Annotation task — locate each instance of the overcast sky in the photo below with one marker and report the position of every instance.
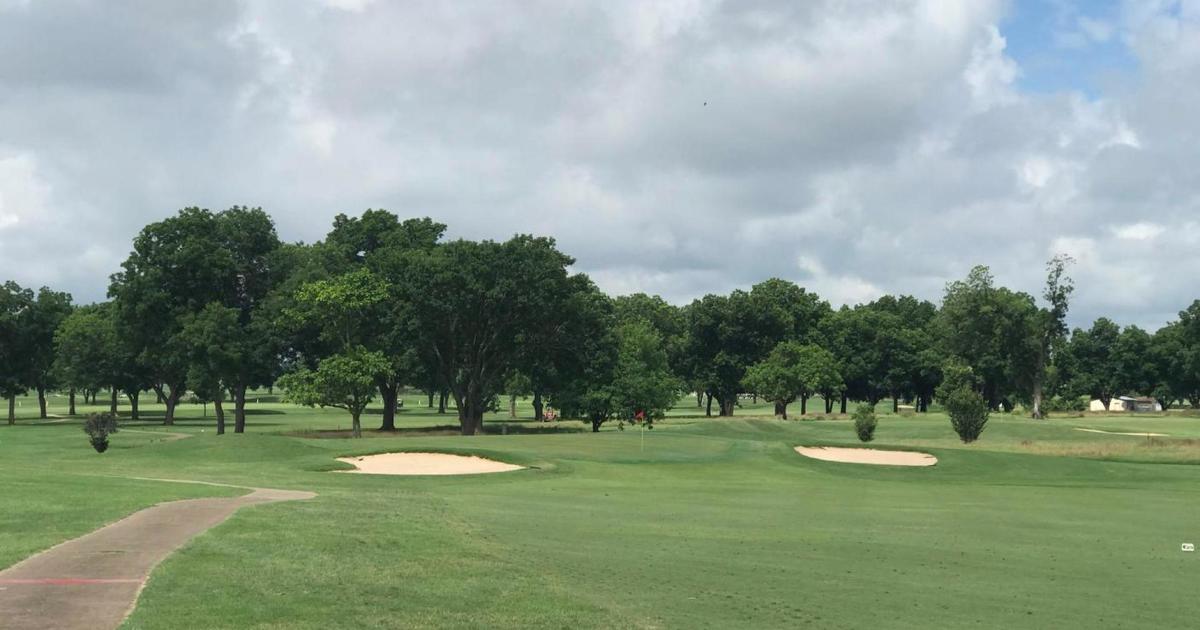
(856, 147)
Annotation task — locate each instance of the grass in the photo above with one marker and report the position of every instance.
(716, 523)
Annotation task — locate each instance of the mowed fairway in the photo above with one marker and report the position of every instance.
(716, 523)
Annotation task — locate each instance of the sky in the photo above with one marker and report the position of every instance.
(681, 147)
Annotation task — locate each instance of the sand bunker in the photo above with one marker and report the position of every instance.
(867, 456)
(424, 464)
(1120, 433)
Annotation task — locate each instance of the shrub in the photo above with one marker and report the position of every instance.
(968, 413)
(98, 426)
(864, 422)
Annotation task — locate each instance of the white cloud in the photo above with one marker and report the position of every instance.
(678, 148)
(1141, 231)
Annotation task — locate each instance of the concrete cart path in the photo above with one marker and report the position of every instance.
(93, 581)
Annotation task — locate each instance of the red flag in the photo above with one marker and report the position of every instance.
(640, 415)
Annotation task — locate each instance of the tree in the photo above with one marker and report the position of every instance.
(793, 371)
(473, 303)
(345, 381)
(177, 266)
(15, 353)
(642, 381)
(1175, 376)
(215, 343)
(1051, 324)
(1093, 363)
(629, 373)
(379, 241)
(1134, 362)
(46, 312)
(989, 329)
(86, 354)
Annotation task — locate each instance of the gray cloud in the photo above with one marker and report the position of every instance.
(678, 148)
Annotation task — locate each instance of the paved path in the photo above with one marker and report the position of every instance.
(93, 581)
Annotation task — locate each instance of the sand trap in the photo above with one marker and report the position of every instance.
(424, 464)
(1119, 433)
(867, 456)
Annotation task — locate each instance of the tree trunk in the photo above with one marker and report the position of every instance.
(512, 406)
(782, 407)
(429, 403)
(699, 398)
(133, 404)
(442, 395)
(895, 404)
(41, 392)
(219, 410)
(754, 397)
(828, 404)
(71, 402)
(803, 405)
(355, 425)
(171, 400)
(708, 409)
(727, 405)
(239, 408)
(389, 392)
(158, 393)
(538, 408)
(596, 425)
(843, 403)
(12, 409)
(112, 407)
(1037, 400)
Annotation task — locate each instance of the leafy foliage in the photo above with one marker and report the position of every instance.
(98, 427)
(864, 422)
(345, 381)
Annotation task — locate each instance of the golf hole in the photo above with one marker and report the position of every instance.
(424, 464)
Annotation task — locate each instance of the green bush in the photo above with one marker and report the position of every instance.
(864, 422)
(98, 426)
(968, 412)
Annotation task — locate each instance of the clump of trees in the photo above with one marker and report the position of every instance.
(215, 303)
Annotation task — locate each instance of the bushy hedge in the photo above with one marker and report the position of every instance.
(98, 426)
(864, 422)
(968, 413)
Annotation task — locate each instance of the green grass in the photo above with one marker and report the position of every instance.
(717, 523)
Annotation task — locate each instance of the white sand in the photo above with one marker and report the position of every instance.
(424, 464)
(867, 456)
(1119, 433)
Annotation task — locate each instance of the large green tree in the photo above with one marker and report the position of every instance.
(46, 313)
(474, 303)
(990, 329)
(15, 352)
(1093, 366)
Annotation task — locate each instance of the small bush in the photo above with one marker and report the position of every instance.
(864, 422)
(968, 413)
(98, 426)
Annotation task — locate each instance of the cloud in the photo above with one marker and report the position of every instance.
(679, 148)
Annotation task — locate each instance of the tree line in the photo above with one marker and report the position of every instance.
(215, 304)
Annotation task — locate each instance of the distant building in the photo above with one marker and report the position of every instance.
(1127, 404)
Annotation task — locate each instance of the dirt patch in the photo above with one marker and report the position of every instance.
(1120, 433)
(425, 464)
(867, 456)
